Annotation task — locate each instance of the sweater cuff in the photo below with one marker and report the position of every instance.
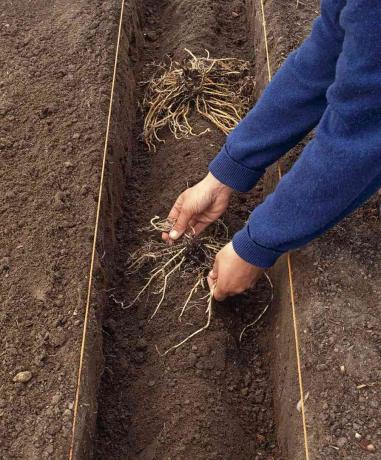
(233, 174)
(252, 252)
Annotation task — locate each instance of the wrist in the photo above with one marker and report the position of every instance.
(233, 173)
(217, 185)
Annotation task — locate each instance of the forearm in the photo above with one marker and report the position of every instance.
(289, 108)
(316, 194)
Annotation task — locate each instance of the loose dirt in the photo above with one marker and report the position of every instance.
(52, 123)
(215, 397)
(212, 398)
(56, 59)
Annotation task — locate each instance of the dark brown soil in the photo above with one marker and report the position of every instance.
(212, 398)
(56, 59)
(52, 124)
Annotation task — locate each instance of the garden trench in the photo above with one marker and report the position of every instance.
(213, 396)
(216, 397)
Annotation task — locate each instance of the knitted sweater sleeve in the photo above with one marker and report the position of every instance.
(289, 108)
(341, 167)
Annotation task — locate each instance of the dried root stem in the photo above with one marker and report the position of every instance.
(262, 312)
(190, 259)
(209, 313)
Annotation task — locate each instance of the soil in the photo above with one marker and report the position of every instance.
(56, 60)
(215, 397)
(212, 397)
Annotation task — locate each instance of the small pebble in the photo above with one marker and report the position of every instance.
(57, 339)
(151, 36)
(341, 442)
(23, 377)
(244, 391)
(5, 264)
(370, 448)
(139, 357)
(192, 359)
(59, 200)
(56, 399)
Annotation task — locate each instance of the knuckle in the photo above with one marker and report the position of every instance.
(186, 208)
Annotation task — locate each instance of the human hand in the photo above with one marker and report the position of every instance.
(198, 207)
(232, 275)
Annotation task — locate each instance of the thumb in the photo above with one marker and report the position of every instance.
(214, 286)
(212, 276)
(181, 224)
(218, 293)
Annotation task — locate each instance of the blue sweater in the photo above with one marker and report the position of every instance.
(332, 82)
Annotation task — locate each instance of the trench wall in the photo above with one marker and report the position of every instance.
(120, 150)
(284, 370)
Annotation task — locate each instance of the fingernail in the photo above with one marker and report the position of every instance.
(173, 234)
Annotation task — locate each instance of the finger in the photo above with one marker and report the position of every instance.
(211, 283)
(219, 294)
(191, 226)
(181, 224)
(176, 209)
(199, 227)
(213, 275)
(173, 216)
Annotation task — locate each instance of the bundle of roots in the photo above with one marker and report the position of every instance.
(220, 90)
(190, 259)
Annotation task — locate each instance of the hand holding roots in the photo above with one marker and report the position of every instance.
(190, 258)
(220, 90)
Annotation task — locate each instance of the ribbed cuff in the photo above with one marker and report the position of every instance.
(252, 252)
(232, 173)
